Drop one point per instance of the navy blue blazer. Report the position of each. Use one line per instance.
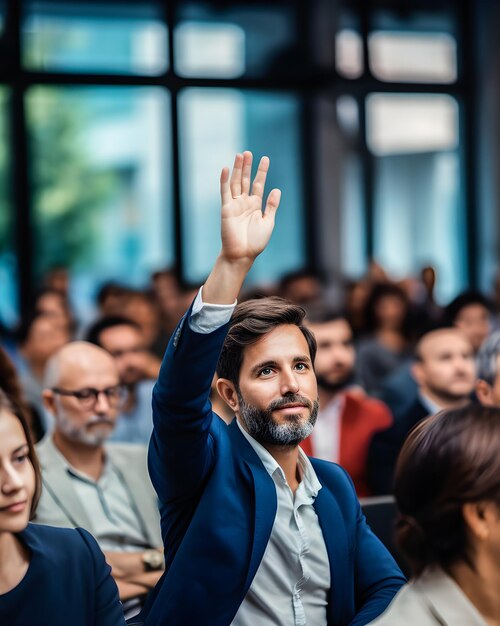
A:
(68, 582)
(218, 505)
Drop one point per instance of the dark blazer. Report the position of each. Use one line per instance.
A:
(68, 583)
(385, 447)
(218, 505)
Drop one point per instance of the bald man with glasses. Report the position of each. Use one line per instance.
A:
(102, 487)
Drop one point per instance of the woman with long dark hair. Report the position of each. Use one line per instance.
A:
(387, 344)
(48, 575)
(447, 488)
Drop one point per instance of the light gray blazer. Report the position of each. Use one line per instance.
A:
(60, 506)
(433, 599)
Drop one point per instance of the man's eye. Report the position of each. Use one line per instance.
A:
(85, 394)
(266, 371)
(301, 367)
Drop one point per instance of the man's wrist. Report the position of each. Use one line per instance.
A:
(225, 280)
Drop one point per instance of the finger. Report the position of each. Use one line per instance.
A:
(260, 178)
(247, 171)
(225, 191)
(235, 182)
(273, 202)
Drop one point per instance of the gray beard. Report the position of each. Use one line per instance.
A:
(79, 434)
(261, 425)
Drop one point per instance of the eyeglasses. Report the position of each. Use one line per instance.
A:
(87, 397)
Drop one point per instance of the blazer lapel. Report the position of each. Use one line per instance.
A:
(266, 501)
(58, 483)
(336, 541)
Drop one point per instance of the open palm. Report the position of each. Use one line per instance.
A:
(245, 228)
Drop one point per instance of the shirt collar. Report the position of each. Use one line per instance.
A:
(307, 474)
(431, 406)
(107, 467)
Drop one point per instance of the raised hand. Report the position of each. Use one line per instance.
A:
(245, 228)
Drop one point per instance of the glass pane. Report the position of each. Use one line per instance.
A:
(413, 57)
(419, 218)
(400, 123)
(232, 41)
(353, 223)
(101, 187)
(8, 265)
(349, 53)
(90, 37)
(2, 15)
(348, 115)
(215, 124)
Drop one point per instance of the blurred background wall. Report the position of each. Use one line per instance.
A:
(381, 119)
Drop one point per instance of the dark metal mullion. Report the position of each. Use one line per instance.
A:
(367, 162)
(170, 14)
(468, 136)
(307, 98)
(20, 181)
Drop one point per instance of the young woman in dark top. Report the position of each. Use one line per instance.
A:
(48, 575)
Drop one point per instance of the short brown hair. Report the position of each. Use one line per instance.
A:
(8, 405)
(252, 320)
(448, 460)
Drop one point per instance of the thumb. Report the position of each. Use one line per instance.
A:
(272, 204)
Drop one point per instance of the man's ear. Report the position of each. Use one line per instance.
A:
(49, 399)
(228, 393)
(417, 372)
(484, 392)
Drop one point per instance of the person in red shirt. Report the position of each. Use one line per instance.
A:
(348, 418)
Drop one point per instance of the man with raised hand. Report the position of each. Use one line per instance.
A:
(254, 531)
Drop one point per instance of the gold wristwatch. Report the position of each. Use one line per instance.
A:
(152, 560)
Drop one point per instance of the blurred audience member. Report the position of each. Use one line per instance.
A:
(428, 278)
(471, 313)
(141, 307)
(444, 370)
(47, 575)
(387, 345)
(447, 490)
(57, 279)
(54, 303)
(488, 380)
(102, 488)
(138, 370)
(356, 297)
(303, 287)
(167, 290)
(39, 337)
(347, 419)
(110, 298)
(10, 385)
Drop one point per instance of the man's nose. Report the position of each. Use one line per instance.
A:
(102, 404)
(289, 383)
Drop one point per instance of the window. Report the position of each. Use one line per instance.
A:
(418, 213)
(413, 57)
(8, 265)
(101, 186)
(91, 37)
(215, 124)
(231, 41)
